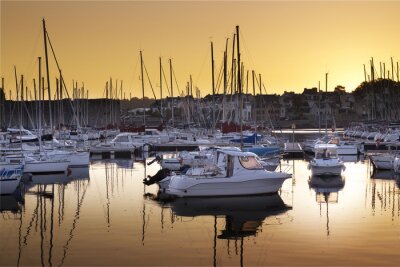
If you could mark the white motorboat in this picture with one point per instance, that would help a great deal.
(233, 173)
(10, 179)
(326, 161)
(21, 135)
(344, 147)
(383, 161)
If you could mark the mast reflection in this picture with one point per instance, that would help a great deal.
(243, 216)
(327, 191)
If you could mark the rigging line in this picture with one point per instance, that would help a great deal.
(62, 78)
(165, 79)
(30, 65)
(246, 48)
(151, 86)
(207, 54)
(176, 82)
(219, 79)
(131, 81)
(148, 78)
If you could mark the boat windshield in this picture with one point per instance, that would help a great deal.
(250, 163)
(326, 154)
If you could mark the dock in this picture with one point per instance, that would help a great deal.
(173, 147)
(112, 152)
(293, 151)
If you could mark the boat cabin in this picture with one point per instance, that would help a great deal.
(230, 161)
(325, 151)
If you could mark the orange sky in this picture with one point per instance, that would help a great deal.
(292, 44)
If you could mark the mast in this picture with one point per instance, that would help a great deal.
(172, 92)
(2, 104)
(141, 70)
(326, 103)
(225, 79)
(213, 89)
(48, 74)
(239, 84)
(16, 88)
(255, 100)
(161, 107)
(319, 107)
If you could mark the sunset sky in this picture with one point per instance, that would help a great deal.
(292, 44)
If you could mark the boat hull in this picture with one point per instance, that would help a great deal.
(8, 185)
(75, 159)
(326, 170)
(383, 162)
(46, 167)
(225, 187)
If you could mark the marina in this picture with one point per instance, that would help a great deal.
(199, 133)
(78, 219)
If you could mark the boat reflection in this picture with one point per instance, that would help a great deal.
(383, 174)
(351, 158)
(326, 192)
(326, 185)
(120, 163)
(12, 203)
(243, 216)
(79, 173)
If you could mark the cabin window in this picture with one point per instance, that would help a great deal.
(122, 139)
(229, 167)
(326, 154)
(250, 163)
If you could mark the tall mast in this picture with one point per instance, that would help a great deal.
(22, 102)
(213, 89)
(2, 103)
(48, 74)
(225, 79)
(161, 107)
(254, 96)
(319, 107)
(141, 70)
(239, 84)
(326, 103)
(172, 92)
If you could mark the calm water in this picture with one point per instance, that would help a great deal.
(105, 216)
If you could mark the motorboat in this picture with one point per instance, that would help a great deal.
(233, 173)
(10, 179)
(345, 147)
(326, 161)
(383, 161)
(21, 135)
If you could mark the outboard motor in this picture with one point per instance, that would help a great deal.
(160, 175)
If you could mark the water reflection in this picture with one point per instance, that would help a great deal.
(243, 216)
(384, 192)
(45, 214)
(326, 192)
(78, 221)
(12, 203)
